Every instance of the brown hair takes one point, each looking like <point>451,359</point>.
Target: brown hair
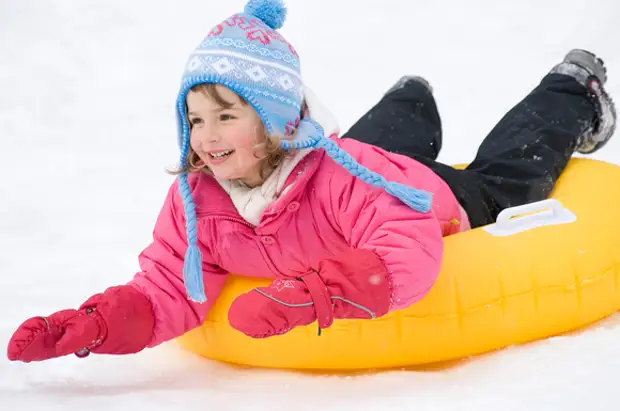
<point>274,153</point>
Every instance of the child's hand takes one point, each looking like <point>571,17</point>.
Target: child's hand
<point>119,321</point>
<point>352,285</point>
<point>64,332</point>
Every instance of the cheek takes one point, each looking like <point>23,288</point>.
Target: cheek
<point>244,139</point>
<point>193,142</point>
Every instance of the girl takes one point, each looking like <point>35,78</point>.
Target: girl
<point>346,227</point>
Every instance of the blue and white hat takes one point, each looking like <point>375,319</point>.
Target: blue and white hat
<point>246,54</point>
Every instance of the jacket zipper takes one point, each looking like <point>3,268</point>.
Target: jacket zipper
<point>263,250</point>
<point>222,217</point>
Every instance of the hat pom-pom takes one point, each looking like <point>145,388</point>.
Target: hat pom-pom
<point>270,12</point>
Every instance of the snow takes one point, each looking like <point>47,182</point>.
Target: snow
<point>87,129</point>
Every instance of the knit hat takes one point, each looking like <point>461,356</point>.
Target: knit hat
<point>246,54</point>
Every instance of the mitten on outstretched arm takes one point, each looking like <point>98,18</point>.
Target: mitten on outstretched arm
<point>117,321</point>
<point>151,309</point>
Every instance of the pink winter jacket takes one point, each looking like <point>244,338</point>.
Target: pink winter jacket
<point>325,211</point>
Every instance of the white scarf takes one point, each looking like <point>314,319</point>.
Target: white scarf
<point>252,202</point>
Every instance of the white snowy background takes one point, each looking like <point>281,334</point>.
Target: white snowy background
<point>87,128</point>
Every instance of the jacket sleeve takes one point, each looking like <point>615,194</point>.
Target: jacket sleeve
<point>161,275</point>
<point>410,243</point>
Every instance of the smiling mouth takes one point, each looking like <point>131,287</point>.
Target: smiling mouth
<point>221,154</point>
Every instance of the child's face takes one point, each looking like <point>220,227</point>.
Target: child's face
<point>224,138</point>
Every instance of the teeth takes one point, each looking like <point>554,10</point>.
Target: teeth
<point>222,154</point>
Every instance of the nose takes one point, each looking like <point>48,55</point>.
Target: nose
<point>206,136</point>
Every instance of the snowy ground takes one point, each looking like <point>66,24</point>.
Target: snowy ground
<point>87,128</point>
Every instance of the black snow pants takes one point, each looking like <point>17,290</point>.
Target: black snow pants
<point>518,162</point>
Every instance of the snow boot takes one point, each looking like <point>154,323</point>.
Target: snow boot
<point>406,79</point>
<point>590,71</point>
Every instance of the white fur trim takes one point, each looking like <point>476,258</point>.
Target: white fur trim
<point>320,114</point>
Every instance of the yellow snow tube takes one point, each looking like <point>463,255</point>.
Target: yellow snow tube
<point>523,278</point>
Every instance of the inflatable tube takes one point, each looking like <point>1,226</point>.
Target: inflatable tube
<point>521,279</point>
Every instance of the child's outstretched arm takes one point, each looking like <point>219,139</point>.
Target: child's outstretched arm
<point>161,279</point>
<point>150,309</point>
<point>409,243</point>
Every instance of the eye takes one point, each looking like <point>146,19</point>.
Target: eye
<point>226,117</point>
<point>195,121</point>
